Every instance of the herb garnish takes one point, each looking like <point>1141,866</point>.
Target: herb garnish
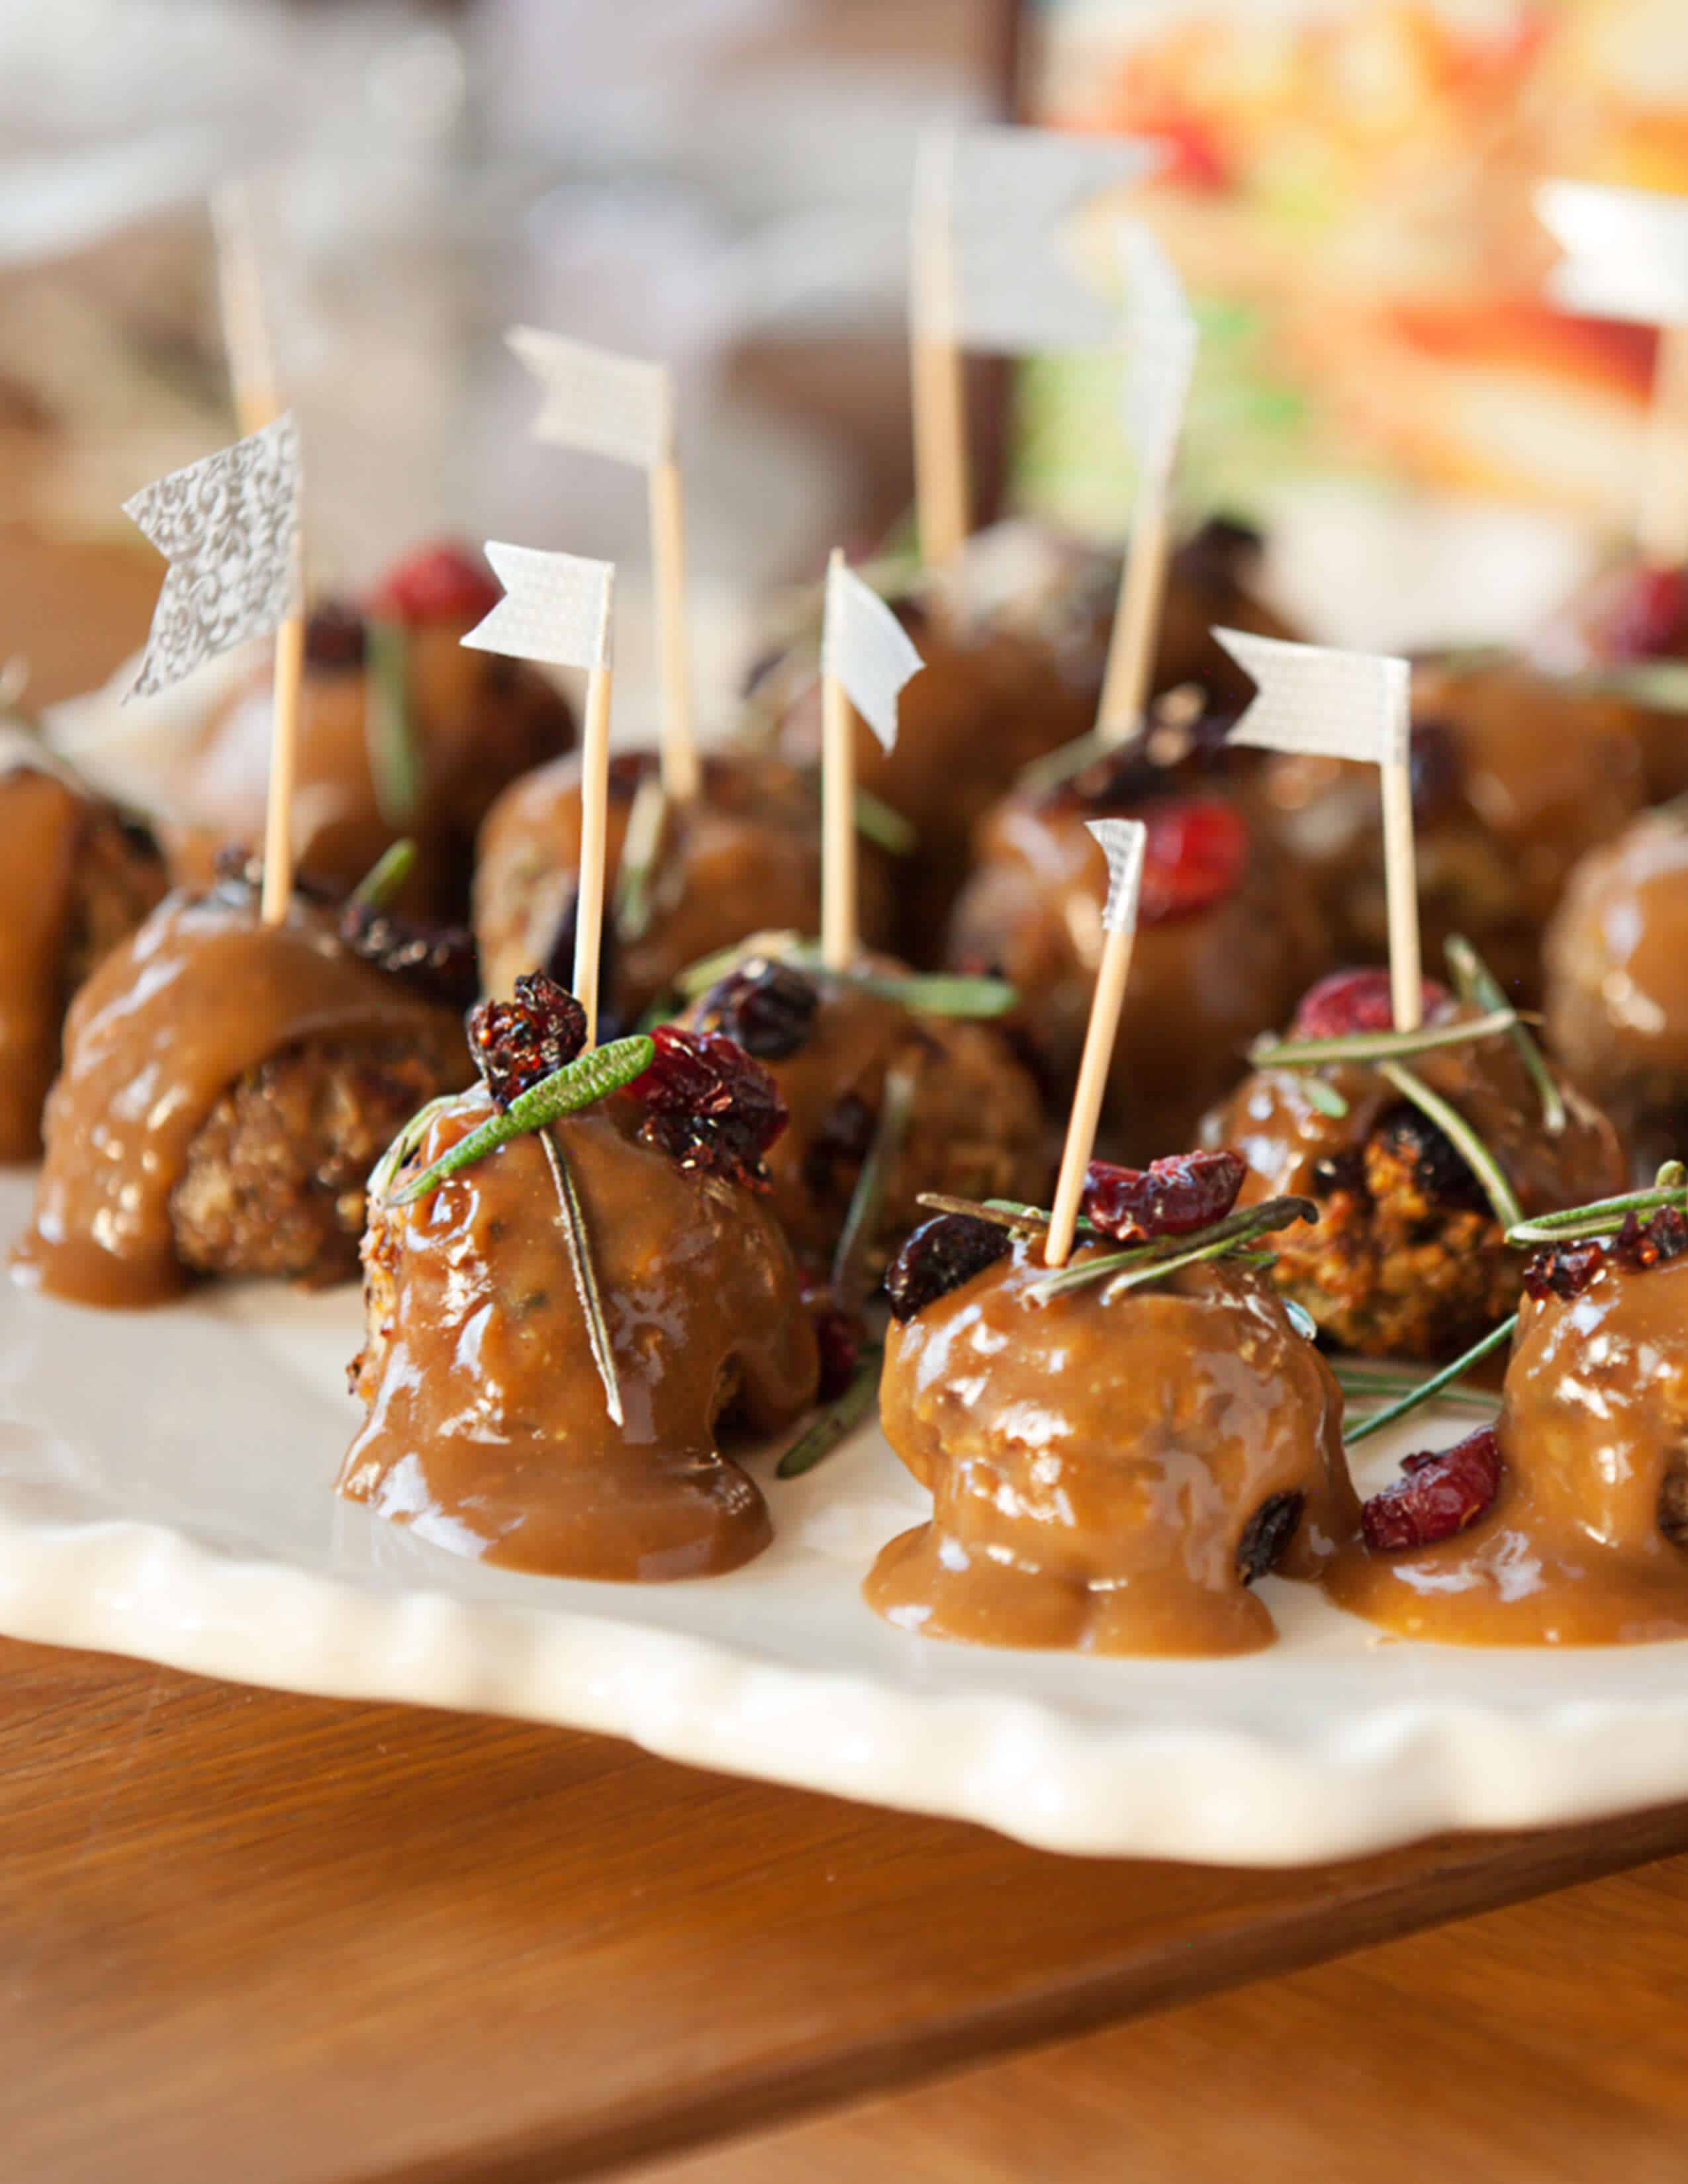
<point>845,1415</point>
<point>1471,1149</point>
<point>579,1241</point>
<point>1147,1262</point>
<point>389,728</point>
<point>1437,1381</point>
<point>386,875</point>
<point>1268,1051</point>
<point>1604,1217</point>
<point>928,992</point>
<point>1477,986</point>
<point>642,846</point>
<point>866,1207</point>
<point>881,823</point>
<point>589,1077</point>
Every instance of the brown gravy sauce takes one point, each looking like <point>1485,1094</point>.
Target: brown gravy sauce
<point>43,817</point>
<point>1094,1466</point>
<point>1594,1418</point>
<point>488,1427</point>
<point>198,994</point>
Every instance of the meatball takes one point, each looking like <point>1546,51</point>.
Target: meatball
<point>1225,940</point>
<point>488,1428</point>
<point>745,857</point>
<point>972,1122</point>
<point>1579,1543</point>
<point>1212,581</point>
<point>1617,958</point>
<point>75,879</point>
<point>1514,777</point>
<point>1406,1258</point>
<point>1109,1474</point>
<point>477,720</point>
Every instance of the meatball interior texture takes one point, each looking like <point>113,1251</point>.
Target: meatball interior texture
<point>488,1427</point>
<point>1406,1258</point>
<point>1108,1475</point>
<point>975,1123</point>
<point>1577,1548</point>
<point>75,882</point>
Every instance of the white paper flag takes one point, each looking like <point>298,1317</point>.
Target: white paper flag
<point>1333,705</point>
<point>229,528</point>
<point>1123,842</point>
<point>865,647</point>
<point>619,406</point>
<point>1160,336</point>
<point>1626,251</point>
<point>555,607</point>
<point>1006,197</point>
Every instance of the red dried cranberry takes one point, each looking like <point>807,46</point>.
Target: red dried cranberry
<point>1267,1534</point>
<point>437,960</point>
<point>517,1045</point>
<point>1350,1001</point>
<point>839,1336</point>
<point>1640,1245</point>
<point>1196,855</point>
<point>710,1105</point>
<point>942,1254</point>
<point>1646,615</point>
<point>1438,1495</point>
<point>1562,1270</point>
<point>1169,1198</point>
<point>766,1005</point>
<point>436,583</point>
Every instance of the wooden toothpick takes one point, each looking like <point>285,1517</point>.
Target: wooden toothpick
<point>838,816</point>
<point>943,494</point>
<point>1137,615</point>
<point>594,810</point>
<point>680,773</point>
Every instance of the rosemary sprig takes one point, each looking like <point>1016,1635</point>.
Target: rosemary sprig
<point>1434,1386</point>
<point>578,1238</point>
<point>1465,1141</point>
<point>1142,1263</point>
<point>1322,1093</point>
<point>927,993</point>
<point>1604,1216</point>
<point>1363,1384</point>
<point>881,823</point>
<point>1478,985</point>
<point>1005,1213</point>
<point>386,875</point>
<point>642,846</point>
<point>591,1076</point>
<point>389,729</point>
<point>1270,1052</point>
<point>406,1142</point>
<point>843,1416</point>
<point>867,1210</point>
<point>1062,763</point>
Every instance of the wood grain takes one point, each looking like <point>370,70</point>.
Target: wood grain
<point>1544,2044</point>
<point>247,1935</point>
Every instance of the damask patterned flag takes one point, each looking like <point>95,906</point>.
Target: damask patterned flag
<point>229,528</point>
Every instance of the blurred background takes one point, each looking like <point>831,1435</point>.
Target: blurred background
<point>1435,453</point>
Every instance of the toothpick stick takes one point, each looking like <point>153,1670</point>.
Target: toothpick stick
<point>937,388</point>
<point>1137,615</point>
<point>838,813</point>
<point>240,297</point>
<point>284,742</point>
<point>1400,885</point>
<point>679,768</point>
<point>1123,843</point>
<point>595,808</point>
<point>1662,517</point>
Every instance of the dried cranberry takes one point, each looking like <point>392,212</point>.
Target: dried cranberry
<point>517,1045</point>
<point>710,1105</point>
<point>1640,1245</point>
<point>1435,769</point>
<point>942,1254</point>
<point>1438,1494</point>
<point>1645,616</point>
<point>1267,1534</point>
<point>1440,1170</point>
<point>1169,1198</point>
<point>1562,1270</point>
<point>439,959</point>
<point>767,1006</point>
<point>436,583</point>
<point>839,1336</point>
<point>1352,1001</point>
<point>1196,855</point>
<point>334,637</point>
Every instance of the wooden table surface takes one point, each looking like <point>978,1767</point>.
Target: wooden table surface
<point>256,1937</point>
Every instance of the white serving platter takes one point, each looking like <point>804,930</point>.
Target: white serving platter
<point>165,1491</point>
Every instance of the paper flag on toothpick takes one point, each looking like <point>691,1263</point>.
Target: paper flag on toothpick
<point>555,607</point>
<point>1123,842</point>
<point>229,528</point>
<point>1007,196</point>
<point>619,406</point>
<point>1330,704</point>
<point>1626,251</point>
<point>866,649</point>
<point>1159,355</point>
